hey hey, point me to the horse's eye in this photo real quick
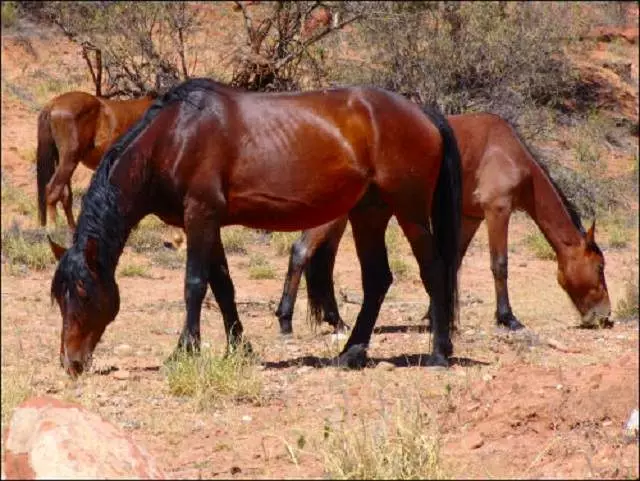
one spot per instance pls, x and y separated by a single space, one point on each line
82 292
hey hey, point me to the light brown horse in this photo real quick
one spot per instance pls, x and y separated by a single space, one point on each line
76 127
499 176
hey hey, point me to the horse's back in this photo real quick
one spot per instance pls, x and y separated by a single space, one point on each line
73 103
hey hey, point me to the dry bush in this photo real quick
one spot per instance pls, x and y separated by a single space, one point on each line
280 49
627 307
496 56
142 47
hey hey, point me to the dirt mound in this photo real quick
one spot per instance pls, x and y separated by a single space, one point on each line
556 410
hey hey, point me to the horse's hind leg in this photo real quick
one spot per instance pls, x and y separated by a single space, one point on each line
498 226
67 205
432 273
368 234
302 250
469 228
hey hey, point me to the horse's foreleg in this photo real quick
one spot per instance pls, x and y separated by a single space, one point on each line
498 227
469 228
224 293
368 234
201 232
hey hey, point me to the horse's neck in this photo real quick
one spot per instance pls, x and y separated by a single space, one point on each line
548 211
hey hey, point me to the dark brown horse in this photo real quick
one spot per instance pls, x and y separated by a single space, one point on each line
499 176
205 156
77 127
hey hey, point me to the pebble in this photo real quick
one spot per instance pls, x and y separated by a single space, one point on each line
487 377
123 350
303 369
385 366
246 418
473 441
631 427
121 375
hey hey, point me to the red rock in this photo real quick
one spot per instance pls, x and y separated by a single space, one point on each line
49 438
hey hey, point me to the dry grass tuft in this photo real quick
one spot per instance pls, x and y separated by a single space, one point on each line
403 444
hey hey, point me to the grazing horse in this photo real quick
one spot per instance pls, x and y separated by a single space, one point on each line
206 155
76 127
499 176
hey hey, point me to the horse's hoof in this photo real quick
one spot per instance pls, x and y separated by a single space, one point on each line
510 322
438 359
353 358
242 348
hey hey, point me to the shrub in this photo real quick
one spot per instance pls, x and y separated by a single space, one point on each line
134 270
282 241
235 239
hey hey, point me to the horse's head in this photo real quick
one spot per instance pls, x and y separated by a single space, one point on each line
581 275
88 299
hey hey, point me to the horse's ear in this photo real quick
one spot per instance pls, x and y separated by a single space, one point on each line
57 249
91 255
590 236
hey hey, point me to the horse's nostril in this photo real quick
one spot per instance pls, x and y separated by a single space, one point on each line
76 368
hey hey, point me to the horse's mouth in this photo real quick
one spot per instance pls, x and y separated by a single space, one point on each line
75 368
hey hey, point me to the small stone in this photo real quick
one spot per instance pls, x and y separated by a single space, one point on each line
631 428
235 470
246 418
559 387
303 369
122 375
123 350
385 366
487 377
473 441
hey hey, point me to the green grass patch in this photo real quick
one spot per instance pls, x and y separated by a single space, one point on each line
627 307
282 241
15 389
235 239
210 379
399 267
149 235
134 270
539 246
260 268
9 14
26 249
14 197
403 444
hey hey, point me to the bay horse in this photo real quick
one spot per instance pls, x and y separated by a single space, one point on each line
499 176
76 127
205 156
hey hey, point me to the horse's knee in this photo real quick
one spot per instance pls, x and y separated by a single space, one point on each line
499 266
195 288
299 254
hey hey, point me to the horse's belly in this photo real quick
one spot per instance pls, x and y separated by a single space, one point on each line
288 204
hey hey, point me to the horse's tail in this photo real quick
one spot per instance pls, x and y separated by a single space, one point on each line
446 214
318 276
47 160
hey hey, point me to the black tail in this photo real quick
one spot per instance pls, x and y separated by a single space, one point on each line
319 278
47 160
446 213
